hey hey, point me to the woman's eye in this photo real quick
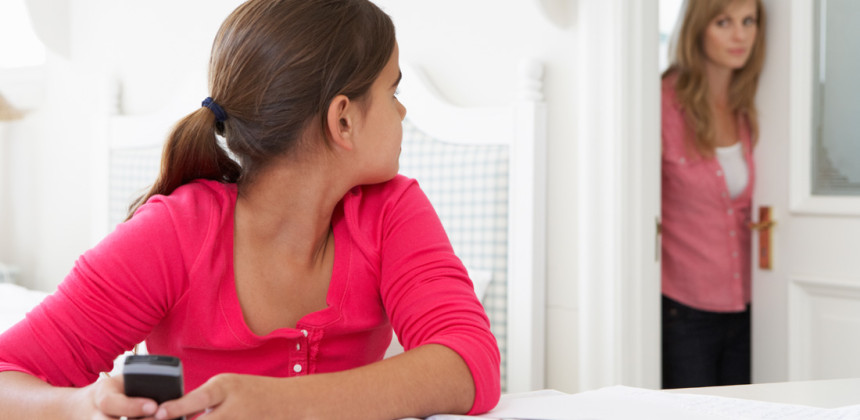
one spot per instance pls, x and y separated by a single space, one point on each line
749 21
722 23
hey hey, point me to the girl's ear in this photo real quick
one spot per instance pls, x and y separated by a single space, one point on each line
339 122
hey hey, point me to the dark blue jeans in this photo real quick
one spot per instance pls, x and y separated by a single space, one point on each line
702 348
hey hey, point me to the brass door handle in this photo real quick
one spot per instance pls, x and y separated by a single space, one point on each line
764 225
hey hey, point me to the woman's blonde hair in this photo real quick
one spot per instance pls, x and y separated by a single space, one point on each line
687 58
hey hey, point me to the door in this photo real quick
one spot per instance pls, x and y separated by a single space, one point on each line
806 307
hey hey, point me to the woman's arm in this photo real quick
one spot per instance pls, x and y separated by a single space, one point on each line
27 397
426 380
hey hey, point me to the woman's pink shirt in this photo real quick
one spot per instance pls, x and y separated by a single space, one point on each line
705 234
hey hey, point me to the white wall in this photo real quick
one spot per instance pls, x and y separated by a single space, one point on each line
157 48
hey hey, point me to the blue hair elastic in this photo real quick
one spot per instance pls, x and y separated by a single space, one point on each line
216 109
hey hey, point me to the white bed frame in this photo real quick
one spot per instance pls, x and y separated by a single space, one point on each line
521 125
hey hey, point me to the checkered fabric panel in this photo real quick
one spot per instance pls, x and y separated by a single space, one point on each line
468 186
132 172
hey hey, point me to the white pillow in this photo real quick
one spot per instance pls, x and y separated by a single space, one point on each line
15 302
480 279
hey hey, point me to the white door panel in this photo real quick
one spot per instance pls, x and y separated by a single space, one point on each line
825 315
806 309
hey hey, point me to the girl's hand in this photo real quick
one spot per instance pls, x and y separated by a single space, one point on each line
234 396
105 399
425 380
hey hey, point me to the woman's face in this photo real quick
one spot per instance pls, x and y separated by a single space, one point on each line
730 36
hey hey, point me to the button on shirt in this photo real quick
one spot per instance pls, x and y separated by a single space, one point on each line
705 238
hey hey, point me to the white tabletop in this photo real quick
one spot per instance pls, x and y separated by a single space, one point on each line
836 399
828 393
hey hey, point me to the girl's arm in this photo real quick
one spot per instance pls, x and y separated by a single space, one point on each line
50 361
429 297
427 380
26 397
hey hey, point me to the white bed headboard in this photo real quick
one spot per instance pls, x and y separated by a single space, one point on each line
484 170
129 154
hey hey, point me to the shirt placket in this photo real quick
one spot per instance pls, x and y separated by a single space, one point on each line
734 243
299 355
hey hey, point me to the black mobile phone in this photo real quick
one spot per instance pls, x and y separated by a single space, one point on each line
153 376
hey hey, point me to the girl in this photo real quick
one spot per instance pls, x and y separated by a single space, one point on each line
276 279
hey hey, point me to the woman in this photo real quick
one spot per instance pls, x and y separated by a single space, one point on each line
273 279
709 129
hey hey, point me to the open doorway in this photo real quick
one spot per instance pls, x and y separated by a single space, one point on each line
668 17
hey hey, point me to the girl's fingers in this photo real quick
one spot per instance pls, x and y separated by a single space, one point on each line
207 396
111 401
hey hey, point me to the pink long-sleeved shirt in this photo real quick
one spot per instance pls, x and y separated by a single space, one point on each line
167 276
706 240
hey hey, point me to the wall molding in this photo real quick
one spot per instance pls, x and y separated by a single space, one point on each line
618 194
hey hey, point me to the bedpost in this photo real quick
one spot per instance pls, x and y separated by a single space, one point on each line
527 240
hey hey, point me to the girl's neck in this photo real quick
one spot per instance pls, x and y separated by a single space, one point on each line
289 206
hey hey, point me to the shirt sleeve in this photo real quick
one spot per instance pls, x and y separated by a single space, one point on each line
114 295
428 295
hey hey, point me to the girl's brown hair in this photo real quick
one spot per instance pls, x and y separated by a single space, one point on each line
274 69
691 87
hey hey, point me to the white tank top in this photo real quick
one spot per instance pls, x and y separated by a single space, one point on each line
735 169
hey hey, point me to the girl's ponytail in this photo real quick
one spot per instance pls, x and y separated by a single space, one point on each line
191 152
275 67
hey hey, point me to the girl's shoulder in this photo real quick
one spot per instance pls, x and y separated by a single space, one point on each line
199 201
199 193
379 202
384 191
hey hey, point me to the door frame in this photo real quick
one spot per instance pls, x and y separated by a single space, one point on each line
618 190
